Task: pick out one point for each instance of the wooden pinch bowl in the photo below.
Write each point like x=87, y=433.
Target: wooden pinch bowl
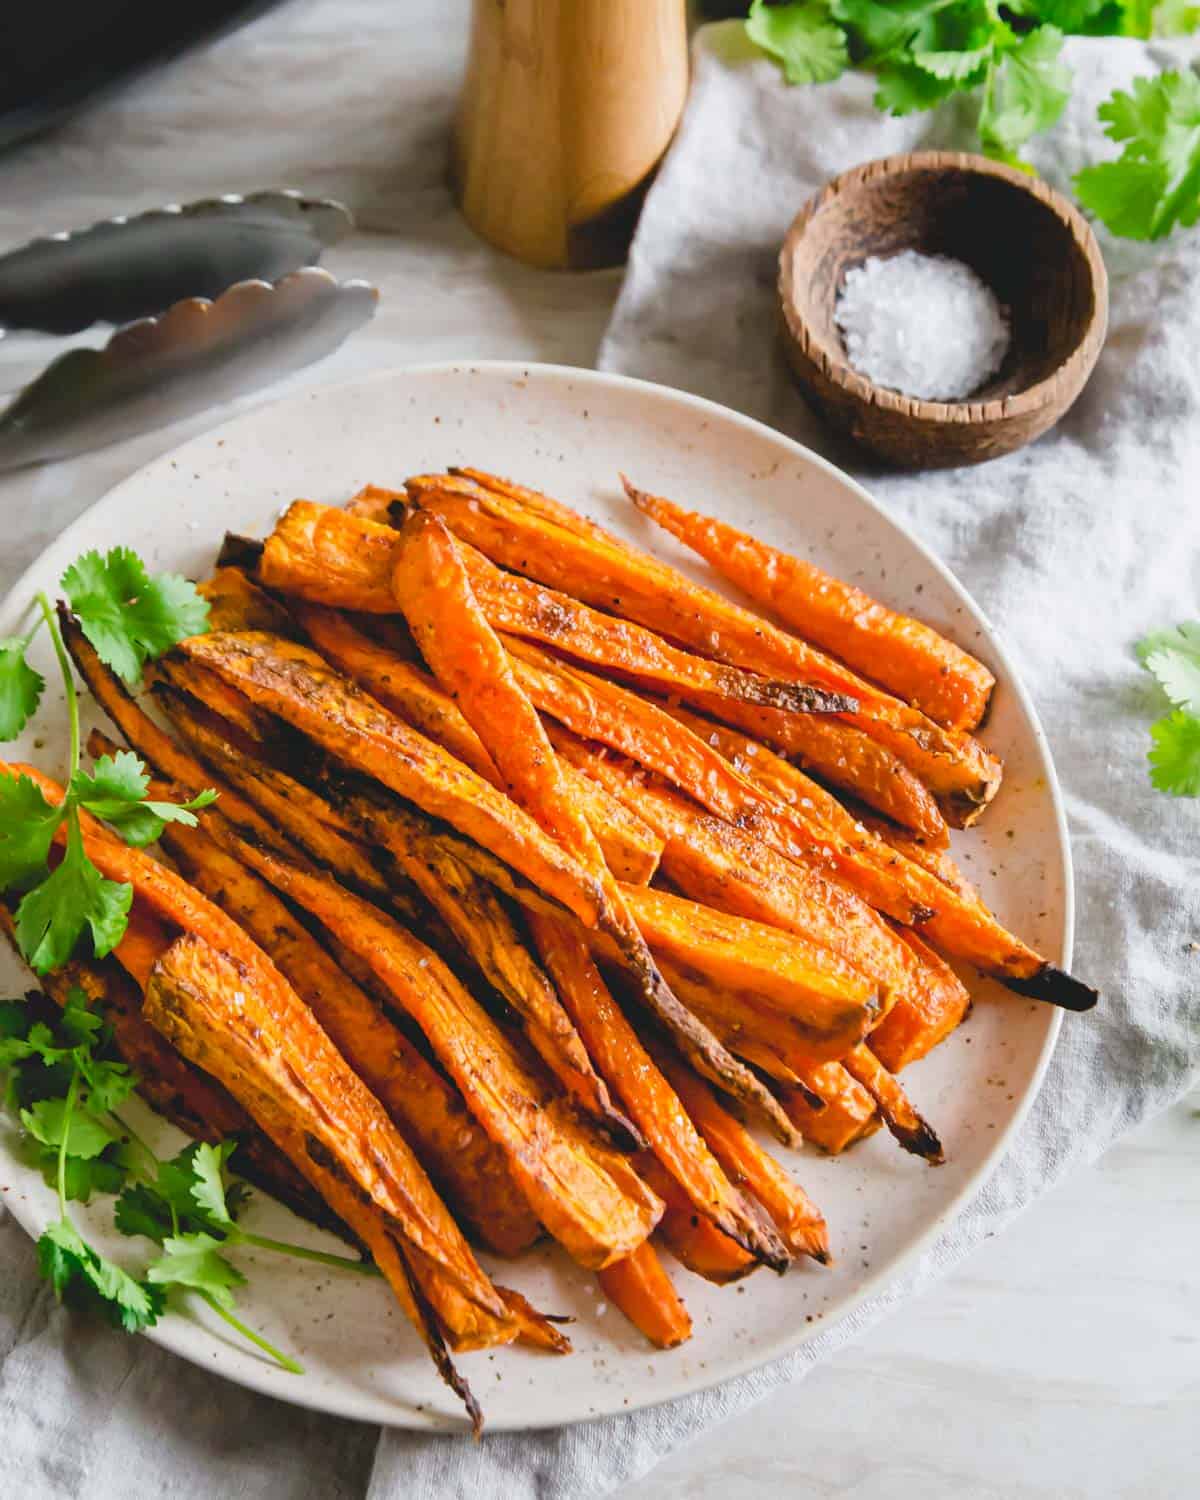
x=1032, y=247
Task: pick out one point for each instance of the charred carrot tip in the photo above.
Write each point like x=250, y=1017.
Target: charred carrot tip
x=1056, y=987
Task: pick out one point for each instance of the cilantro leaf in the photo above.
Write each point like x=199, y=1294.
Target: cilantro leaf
x=59, y=1253
x=115, y=790
x=1175, y=755
x=1026, y=93
x=904, y=89
x=114, y=782
x=1178, y=674
x=208, y=1186
x=883, y=28
x=27, y=827
x=956, y=42
x=1154, y=185
x=51, y=917
x=73, y=1267
x=141, y=1210
x=960, y=68
x=78, y=1021
x=20, y=687
x=145, y=825
x=86, y=1135
x=1176, y=17
x=1077, y=17
x=109, y=1084
x=128, y=1304
x=194, y=1260
x=1173, y=657
x=801, y=37
x=84, y=1176
x=175, y=1181
x=129, y=616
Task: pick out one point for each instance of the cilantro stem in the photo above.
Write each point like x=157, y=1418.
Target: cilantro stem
x=282, y=1360
x=68, y=1111
x=60, y=651
x=321, y=1257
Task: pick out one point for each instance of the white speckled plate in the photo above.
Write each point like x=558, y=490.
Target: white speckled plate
x=568, y=431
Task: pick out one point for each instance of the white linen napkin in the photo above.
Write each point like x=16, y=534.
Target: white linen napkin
x=1074, y=547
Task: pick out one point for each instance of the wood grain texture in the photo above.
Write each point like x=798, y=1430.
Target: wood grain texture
x=1031, y=246
x=566, y=110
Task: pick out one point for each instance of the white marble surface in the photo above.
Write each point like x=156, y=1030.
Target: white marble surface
x=1064, y=1359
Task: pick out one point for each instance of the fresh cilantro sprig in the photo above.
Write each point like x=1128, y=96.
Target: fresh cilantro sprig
x=1154, y=185
x=189, y=1196
x=129, y=617
x=75, y=1127
x=1007, y=56
x=1172, y=657
x=65, y=1084
x=40, y=1061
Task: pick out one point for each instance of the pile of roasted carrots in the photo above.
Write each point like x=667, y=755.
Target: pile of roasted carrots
x=538, y=872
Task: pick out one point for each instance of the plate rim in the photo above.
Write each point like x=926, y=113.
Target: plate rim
x=177, y=1336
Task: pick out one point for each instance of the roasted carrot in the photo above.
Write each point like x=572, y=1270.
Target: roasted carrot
x=142, y=733
x=914, y=1133
x=585, y=1196
x=188, y=1000
x=330, y=558
x=342, y=1117
x=295, y=683
x=644, y=1091
x=794, y=1214
x=357, y=576
x=641, y=1288
x=954, y=918
x=938, y=861
x=188, y=1098
x=841, y=755
x=909, y=1032
x=521, y=606
x=468, y=1325
x=292, y=808
x=478, y=919
x=543, y=505
x=473, y=915
x=537, y=1329
x=630, y=848
x=374, y=503
x=596, y=709
x=237, y=603
x=903, y=655
x=737, y=1018
x=464, y=1165
x=401, y=686
x=434, y=592
x=829, y=1004
x=252, y=726
x=471, y=911
x=724, y=866
x=694, y=1241
x=849, y=1112
x=615, y=576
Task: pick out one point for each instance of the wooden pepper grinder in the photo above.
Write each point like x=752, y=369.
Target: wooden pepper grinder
x=567, y=108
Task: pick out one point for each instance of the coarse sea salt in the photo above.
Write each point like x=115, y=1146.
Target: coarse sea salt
x=924, y=325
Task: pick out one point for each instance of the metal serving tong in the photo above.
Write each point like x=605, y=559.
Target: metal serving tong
x=209, y=299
